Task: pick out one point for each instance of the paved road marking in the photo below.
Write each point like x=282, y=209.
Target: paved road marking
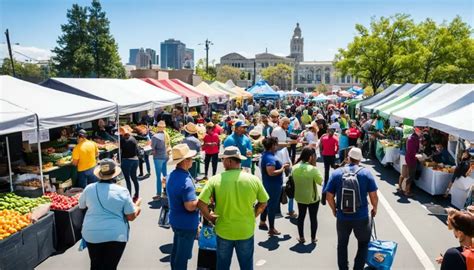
x=420, y=253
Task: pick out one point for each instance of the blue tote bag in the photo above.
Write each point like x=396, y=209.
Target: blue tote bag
x=381, y=253
x=207, y=238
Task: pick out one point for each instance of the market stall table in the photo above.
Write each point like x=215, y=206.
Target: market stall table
x=30, y=246
x=460, y=190
x=68, y=227
x=432, y=181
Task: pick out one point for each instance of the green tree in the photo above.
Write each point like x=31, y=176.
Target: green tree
x=86, y=48
x=321, y=88
x=201, y=70
x=279, y=75
x=73, y=58
x=31, y=72
x=380, y=54
x=442, y=51
x=226, y=72
x=103, y=47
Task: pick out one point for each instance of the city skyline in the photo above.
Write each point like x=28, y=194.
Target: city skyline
x=245, y=27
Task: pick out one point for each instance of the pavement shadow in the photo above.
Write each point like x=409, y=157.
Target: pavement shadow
x=302, y=248
x=273, y=242
x=166, y=248
x=166, y=259
x=293, y=221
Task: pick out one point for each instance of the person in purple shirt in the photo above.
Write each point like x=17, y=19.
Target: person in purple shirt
x=413, y=146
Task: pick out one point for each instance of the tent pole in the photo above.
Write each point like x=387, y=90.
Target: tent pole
x=9, y=164
x=40, y=158
x=117, y=124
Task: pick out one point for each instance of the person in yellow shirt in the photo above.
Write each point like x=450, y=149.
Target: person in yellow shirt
x=84, y=157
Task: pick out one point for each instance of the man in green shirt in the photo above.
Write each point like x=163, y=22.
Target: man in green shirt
x=234, y=193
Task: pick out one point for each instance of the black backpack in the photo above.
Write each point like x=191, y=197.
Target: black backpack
x=350, y=195
x=290, y=187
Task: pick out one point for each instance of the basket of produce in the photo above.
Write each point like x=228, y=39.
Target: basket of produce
x=12, y=221
x=23, y=205
x=175, y=136
x=62, y=202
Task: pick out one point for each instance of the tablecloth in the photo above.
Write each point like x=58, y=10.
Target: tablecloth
x=433, y=182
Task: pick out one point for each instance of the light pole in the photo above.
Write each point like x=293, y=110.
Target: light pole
x=207, y=44
x=10, y=52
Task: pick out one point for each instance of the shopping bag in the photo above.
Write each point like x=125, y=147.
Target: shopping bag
x=164, y=220
x=207, y=238
x=381, y=253
x=283, y=197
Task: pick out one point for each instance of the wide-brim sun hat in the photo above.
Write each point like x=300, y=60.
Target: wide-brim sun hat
x=161, y=124
x=190, y=128
x=181, y=152
x=232, y=152
x=107, y=169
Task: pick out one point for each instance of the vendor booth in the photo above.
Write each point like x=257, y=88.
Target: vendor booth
x=390, y=90
x=261, y=90
x=225, y=89
x=238, y=90
x=399, y=91
x=191, y=98
x=203, y=87
x=385, y=109
x=211, y=97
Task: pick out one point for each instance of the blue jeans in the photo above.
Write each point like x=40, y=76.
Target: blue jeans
x=86, y=177
x=129, y=169
x=183, y=241
x=160, y=168
x=274, y=192
x=243, y=248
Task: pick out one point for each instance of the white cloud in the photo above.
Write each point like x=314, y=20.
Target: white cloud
x=25, y=53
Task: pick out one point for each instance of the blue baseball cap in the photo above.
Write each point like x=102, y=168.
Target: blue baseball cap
x=240, y=123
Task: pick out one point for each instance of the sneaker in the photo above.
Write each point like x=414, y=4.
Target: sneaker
x=146, y=176
x=156, y=198
x=263, y=227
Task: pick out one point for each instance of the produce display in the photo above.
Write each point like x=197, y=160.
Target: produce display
x=11, y=222
x=64, y=161
x=440, y=167
x=143, y=143
x=175, y=136
x=62, y=202
x=30, y=183
x=390, y=143
x=107, y=146
x=141, y=129
x=11, y=201
x=200, y=185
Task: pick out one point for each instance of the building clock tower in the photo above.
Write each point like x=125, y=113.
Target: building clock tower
x=296, y=45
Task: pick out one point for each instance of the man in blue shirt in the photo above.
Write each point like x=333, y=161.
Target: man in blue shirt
x=359, y=221
x=184, y=217
x=241, y=141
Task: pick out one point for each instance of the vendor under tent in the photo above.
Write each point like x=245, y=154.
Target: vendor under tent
x=192, y=99
x=455, y=119
x=440, y=97
x=390, y=90
x=261, y=90
x=203, y=87
x=385, y=109
x=399, y=91
x=210, y=97
x=130, y=96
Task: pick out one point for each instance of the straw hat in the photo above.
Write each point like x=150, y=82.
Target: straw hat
x=232, y=152
x=274, y=113
x=107, y=169
x=181, y=152
x=255, y=133
x=190, y=128
x=123, y=131
x=209, y=125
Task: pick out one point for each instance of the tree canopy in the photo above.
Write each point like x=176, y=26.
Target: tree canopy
x=226, y=72
x=86, y=48
x=31, y=72
x=201, y=70
x=396, y=50
x=279, y=75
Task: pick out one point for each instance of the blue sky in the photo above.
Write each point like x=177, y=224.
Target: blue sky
x=247, y=26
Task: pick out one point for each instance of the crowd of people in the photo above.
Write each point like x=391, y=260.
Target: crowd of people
x=327, y=134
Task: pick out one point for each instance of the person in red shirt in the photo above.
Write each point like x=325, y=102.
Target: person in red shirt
x=329, y=145
x=211, y=148
x=353, y=134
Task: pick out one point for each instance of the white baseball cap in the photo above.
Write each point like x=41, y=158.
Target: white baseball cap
x=355, y=153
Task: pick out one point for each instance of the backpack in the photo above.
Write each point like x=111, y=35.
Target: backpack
x=468, y=253
x=350, y=195
x=290, y=187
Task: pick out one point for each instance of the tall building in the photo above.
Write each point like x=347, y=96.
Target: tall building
x=188, y=59
x=133, y=56
x=172, y=54
x=152, y=54
x=296, y=45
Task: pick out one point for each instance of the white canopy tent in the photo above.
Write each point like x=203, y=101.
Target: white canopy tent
x=398, y=92
x=129, y=95
x=455, y=119
x=14, y=118
x=445, y=94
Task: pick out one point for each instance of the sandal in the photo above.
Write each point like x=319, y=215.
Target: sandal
x=263, y=226
x=314, y=240
x=301, y=240
x=273, y=232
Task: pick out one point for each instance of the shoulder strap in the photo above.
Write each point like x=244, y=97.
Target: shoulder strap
x=359, y=169
x=101, y=205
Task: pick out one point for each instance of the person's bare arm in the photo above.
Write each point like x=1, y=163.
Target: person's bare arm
x=374, y=201
x=273, y=172
x=331, y=202
x=259, y=207
x=138, y=210
x=191, y=206
x=204, y=208
x=75, y=162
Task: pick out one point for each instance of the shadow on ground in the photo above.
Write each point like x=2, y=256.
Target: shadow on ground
x=273, y=242
x=302, y=248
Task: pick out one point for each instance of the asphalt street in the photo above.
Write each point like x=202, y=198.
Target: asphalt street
x=417, y=224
